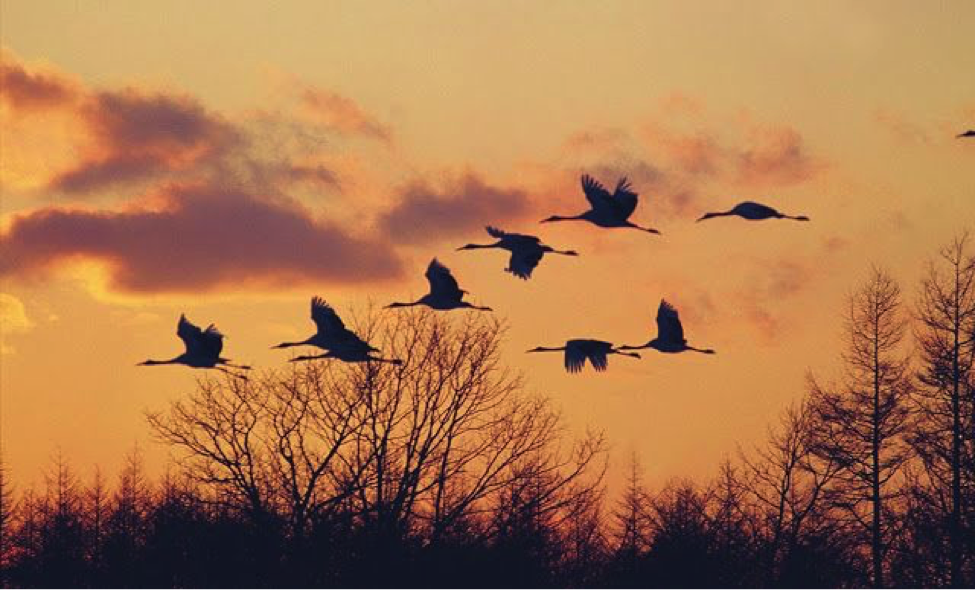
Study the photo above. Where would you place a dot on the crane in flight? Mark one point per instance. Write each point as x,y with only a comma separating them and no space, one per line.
332,336
579,350
753,212
444,293
526,251
969,133
607,210
203,348
670,333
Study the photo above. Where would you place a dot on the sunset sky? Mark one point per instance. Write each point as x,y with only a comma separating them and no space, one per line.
230,162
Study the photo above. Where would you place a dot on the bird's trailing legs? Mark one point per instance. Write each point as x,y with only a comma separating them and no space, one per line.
233,374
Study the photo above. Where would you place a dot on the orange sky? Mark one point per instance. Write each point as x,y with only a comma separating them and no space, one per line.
309,148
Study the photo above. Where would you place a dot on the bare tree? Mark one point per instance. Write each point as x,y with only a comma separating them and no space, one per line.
451,428
632,535
787,486
270,445
945,333
416,448
861,422
8,509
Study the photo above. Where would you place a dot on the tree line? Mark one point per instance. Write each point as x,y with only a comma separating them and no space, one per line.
446,471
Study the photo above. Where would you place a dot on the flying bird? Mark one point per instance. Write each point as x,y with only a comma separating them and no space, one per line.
670,333
526,251
203,349
969,133
607,210
444,293
577,351
754,212
332,336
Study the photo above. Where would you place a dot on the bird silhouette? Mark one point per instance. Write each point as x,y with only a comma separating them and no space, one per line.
338,341
753,212
969,133
577,351
607,210
444,293
203,349
670,333
526,251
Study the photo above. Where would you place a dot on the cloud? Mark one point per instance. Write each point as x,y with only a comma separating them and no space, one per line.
203,237
595,139
13,319
900,127
774,156
772,283
343,115
135,135
424,214
317,173
26,90
676,157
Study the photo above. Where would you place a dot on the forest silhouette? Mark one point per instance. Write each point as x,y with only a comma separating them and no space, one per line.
445,470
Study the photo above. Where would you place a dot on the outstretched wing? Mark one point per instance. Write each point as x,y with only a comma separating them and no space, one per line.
443,283
596,193
575,356
207,343
211,342
668,324
524,261
598,360
325,318
513,240
624,198
189,333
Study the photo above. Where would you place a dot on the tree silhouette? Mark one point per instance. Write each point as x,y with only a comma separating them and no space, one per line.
945,332
862,421
8,508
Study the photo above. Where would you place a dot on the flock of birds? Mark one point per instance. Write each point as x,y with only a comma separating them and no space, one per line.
607,210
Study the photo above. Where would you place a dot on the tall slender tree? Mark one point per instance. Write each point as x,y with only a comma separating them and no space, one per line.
863,419
945,334
7,511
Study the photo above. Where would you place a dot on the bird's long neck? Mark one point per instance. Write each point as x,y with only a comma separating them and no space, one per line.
151,362
625,347
563,218
477,307
292,344
715,214
795,217
548,349
311,357
398,304
620,351
479,246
